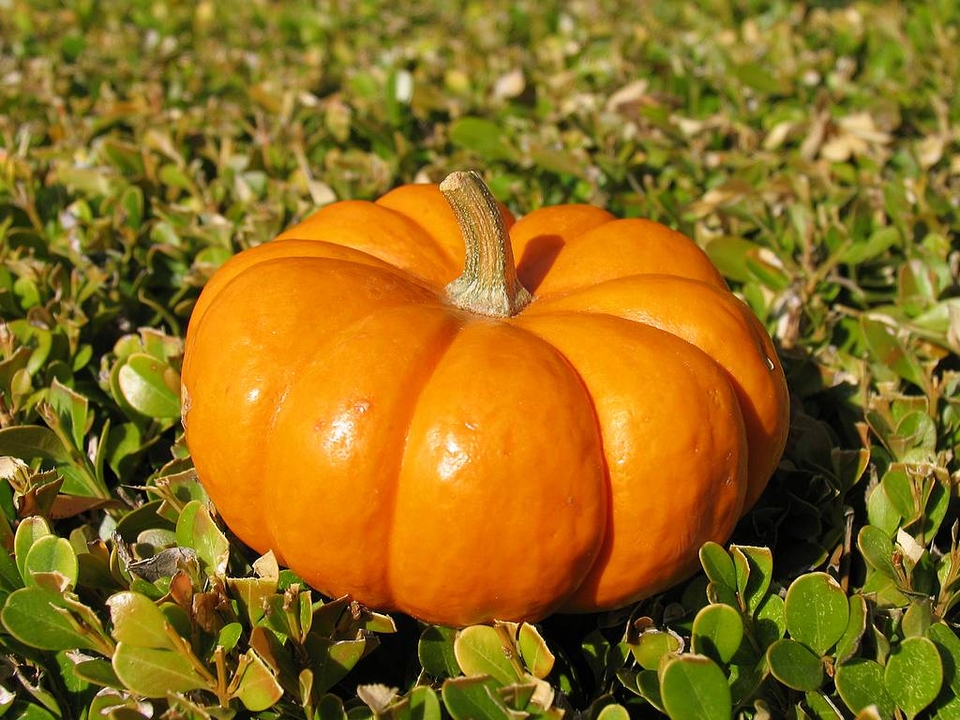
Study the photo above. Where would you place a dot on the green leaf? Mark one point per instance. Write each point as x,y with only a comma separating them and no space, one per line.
694,687
860,684
718,565
435,651
333,660
330,707
29,442
41,618
34,712
857,252
653,645
769,621
473,698
258,689
754,570
914,674
479,651
196,529
138,622
613,712
759,78
890,352
849,642
881,512
717,633
155,672
98,672
948,644
534,652
484,138
877,549
821,707
150,386
424,704
52,554
72,409
646,683
816,611
917,618
29,531
250,594
729,253
229,636
794,665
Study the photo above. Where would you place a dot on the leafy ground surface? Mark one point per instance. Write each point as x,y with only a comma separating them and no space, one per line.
810,148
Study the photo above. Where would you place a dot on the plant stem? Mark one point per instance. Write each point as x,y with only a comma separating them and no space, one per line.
489,283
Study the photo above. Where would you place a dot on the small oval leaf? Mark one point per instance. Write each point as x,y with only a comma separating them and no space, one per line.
794,665
52,554
534,651
614,712
914,674
29,531
153,672
473,698
435,651
860,684
137,622
258,688
479,651
694,687
150,386
424,704
717,632
196,529
816,611
718,565
948,644
653,645
39,617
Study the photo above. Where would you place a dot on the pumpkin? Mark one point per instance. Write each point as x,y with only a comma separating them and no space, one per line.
557,428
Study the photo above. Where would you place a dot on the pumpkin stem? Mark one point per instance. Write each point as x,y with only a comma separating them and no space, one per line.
489,283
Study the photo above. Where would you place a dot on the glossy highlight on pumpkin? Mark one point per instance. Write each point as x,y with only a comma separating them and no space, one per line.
385,443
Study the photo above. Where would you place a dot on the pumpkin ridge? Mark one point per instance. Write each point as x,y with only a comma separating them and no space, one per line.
426,235
204,371
248,260
446,443
380,477
624,247
698,313
391,237
423,376
641,553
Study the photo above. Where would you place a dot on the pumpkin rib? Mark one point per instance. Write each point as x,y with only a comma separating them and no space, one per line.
718,323
464,450
381,232
622,248
664,378
348,425
291,249
233,382
539,236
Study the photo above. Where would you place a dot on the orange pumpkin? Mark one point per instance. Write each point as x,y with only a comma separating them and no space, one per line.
512,442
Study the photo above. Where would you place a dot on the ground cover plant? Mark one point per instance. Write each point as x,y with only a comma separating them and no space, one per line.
809,148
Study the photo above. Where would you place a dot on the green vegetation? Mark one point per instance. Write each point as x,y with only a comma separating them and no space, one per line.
811,148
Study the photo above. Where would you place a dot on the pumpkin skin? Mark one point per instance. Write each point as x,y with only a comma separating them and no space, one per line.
389,445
